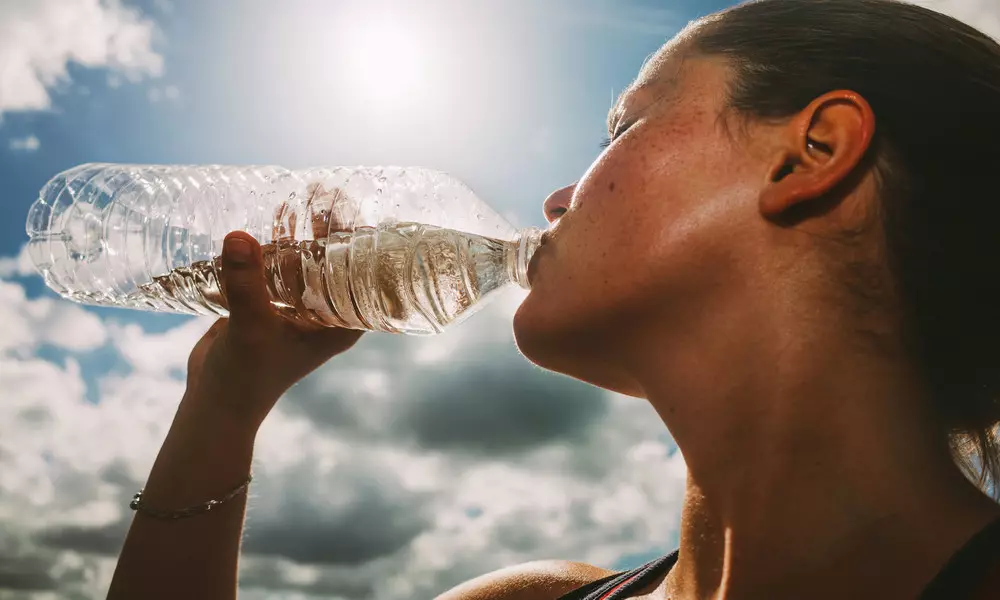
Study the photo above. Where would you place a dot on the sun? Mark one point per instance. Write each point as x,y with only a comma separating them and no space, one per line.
385,62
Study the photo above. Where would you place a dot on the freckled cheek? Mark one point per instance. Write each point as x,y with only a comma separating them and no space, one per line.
609,221
631,191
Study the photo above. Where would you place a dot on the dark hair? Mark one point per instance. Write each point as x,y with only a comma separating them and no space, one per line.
934,86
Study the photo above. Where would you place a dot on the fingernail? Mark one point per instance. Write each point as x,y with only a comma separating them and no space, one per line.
237,250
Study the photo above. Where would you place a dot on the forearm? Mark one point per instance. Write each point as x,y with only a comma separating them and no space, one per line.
203,456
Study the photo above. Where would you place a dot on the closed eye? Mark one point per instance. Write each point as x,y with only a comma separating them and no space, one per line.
619,131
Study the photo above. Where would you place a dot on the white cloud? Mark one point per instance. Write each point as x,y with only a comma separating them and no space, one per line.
19,266
25,144
26,324
158,353
981,14
69,467
39,38
331,513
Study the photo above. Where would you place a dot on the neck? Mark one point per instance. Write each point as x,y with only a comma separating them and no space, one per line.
813,471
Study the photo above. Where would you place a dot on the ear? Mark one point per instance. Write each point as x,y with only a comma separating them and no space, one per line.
820,148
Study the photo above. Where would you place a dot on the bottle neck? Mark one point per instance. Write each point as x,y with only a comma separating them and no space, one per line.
519,254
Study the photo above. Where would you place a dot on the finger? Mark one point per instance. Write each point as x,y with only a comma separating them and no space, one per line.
313,189
318,220
276,222
283,224
243,278
340,211
292,220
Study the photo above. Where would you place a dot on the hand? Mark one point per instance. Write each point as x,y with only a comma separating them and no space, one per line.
244,363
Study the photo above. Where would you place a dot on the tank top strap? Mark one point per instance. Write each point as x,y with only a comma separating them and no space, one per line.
961,576
618,585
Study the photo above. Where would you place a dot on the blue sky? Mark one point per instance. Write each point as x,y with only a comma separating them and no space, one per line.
454,454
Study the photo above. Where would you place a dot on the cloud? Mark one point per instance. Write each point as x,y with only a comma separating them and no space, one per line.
27,324
357,512
981,14
39,38
27,571
25,144
105,539
157,354
396,471
479,404
68,465
19,266
485,399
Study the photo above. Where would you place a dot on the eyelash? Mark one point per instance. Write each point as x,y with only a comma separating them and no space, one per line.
618,133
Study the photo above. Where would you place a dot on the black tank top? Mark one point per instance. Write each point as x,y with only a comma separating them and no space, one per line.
962,576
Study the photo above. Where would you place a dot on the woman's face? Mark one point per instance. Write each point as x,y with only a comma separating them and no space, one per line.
639,244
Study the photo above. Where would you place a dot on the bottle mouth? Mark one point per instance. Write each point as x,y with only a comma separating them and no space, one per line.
528,242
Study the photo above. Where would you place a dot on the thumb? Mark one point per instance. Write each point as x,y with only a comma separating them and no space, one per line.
243,278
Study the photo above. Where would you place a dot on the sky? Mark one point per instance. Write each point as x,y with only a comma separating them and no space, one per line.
409,464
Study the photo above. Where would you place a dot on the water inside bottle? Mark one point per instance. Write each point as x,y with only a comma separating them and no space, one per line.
404,278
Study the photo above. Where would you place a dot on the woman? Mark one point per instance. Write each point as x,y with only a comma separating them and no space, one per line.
790,249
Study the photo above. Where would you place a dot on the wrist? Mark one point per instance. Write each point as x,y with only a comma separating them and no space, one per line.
220,413
206,452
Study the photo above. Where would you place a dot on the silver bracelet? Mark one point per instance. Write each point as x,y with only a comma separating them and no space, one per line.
137,505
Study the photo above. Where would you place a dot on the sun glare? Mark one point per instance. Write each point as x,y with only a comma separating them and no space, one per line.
385,62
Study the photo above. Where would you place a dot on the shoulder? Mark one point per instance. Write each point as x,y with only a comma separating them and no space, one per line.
538,580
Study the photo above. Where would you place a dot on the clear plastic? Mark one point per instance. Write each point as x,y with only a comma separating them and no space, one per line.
401,250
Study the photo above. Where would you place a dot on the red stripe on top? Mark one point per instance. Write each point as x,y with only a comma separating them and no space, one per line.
618,587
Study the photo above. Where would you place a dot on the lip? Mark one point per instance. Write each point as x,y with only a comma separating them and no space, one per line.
533,263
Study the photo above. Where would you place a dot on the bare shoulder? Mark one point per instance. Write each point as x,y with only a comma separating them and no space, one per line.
538,580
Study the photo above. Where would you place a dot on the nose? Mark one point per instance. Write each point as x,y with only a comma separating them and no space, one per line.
558,203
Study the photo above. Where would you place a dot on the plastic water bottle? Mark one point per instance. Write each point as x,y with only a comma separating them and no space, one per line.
402,250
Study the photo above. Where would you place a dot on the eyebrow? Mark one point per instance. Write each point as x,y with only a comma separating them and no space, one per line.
669,88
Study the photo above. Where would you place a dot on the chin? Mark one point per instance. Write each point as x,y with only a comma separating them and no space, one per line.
535,336
578,353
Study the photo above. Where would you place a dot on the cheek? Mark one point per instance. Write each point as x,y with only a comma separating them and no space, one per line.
625,207
646,213
639,210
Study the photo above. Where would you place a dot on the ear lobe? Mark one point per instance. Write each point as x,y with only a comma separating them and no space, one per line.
823,145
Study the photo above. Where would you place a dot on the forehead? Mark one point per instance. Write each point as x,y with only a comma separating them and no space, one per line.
665,77
662,64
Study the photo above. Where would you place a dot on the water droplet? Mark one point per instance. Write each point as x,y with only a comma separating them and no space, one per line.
291,196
